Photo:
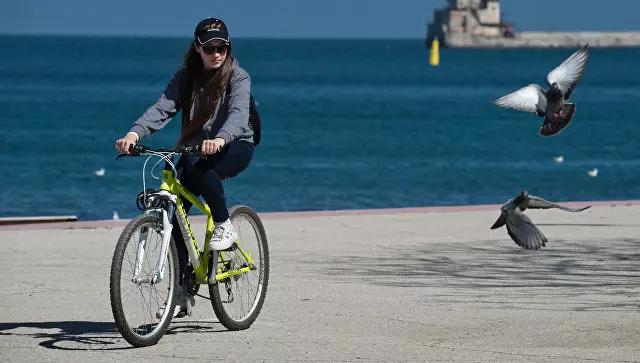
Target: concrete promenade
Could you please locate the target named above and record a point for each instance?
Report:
(548, 40)
(404, 285)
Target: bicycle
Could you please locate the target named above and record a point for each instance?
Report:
(150, 267)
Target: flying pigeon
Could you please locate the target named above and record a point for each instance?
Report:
(553, 104)
(520, 227)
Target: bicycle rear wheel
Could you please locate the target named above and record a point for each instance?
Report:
(237, 300)
(139, 305)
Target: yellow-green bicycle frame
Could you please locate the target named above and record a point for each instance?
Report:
(199, 259)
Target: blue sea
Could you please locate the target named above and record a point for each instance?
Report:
(347, 124)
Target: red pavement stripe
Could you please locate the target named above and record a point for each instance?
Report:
(306, 214)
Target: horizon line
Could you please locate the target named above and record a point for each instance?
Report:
(149, 36)
(258, 37)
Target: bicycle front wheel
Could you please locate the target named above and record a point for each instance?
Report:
(237, 300)
(141, 306)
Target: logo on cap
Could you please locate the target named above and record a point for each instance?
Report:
(212, 27)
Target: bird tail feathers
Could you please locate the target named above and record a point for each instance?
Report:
(501, 221)
(552, 125)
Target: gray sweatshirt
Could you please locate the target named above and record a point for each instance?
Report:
(230, 119)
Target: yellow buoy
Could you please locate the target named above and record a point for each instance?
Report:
(434, 57)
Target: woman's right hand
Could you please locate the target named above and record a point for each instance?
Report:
(124, 144)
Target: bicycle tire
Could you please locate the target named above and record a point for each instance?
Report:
(214, 290)
(131, 336)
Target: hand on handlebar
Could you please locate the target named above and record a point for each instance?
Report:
(212, 146)
(124, 144)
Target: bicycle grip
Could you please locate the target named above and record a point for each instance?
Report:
(188, 150)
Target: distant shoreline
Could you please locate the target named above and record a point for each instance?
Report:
(546, 40)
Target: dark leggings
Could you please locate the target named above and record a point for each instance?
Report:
(203, 177)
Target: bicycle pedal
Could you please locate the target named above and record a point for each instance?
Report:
(181, 314)
(233, 247)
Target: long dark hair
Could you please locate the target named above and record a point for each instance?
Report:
(213, 84)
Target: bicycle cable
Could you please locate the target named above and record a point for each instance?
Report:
(165, 157)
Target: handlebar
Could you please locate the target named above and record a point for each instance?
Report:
(139, 149)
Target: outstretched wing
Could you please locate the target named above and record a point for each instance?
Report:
(568, 73)
(528, 99)
(539, 203)
(523, 232)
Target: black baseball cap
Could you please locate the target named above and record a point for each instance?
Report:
(210, 29)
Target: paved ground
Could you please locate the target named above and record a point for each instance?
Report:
(417, 285)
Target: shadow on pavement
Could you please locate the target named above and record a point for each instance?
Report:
(92, 335)
(69, 335)
(601, 274)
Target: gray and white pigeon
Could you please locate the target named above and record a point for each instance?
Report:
(520, 227)
(553, 104)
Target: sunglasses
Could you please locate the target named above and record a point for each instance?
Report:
(210, 49)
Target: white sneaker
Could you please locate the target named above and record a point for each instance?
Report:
(179, 311)
(183, 307)
(223, 236)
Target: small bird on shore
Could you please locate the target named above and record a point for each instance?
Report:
(520, 227)
(552, 104)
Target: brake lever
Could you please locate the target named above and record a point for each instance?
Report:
(134, 150)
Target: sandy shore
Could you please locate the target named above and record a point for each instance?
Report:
(422, 284)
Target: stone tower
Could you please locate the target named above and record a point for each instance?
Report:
(466, 18)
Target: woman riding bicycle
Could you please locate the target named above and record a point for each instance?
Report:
(213, 93)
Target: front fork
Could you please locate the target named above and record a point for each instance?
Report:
(167, 218)
(166, 215)
(142, 241)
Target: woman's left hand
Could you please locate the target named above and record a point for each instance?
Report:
(212, 146)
